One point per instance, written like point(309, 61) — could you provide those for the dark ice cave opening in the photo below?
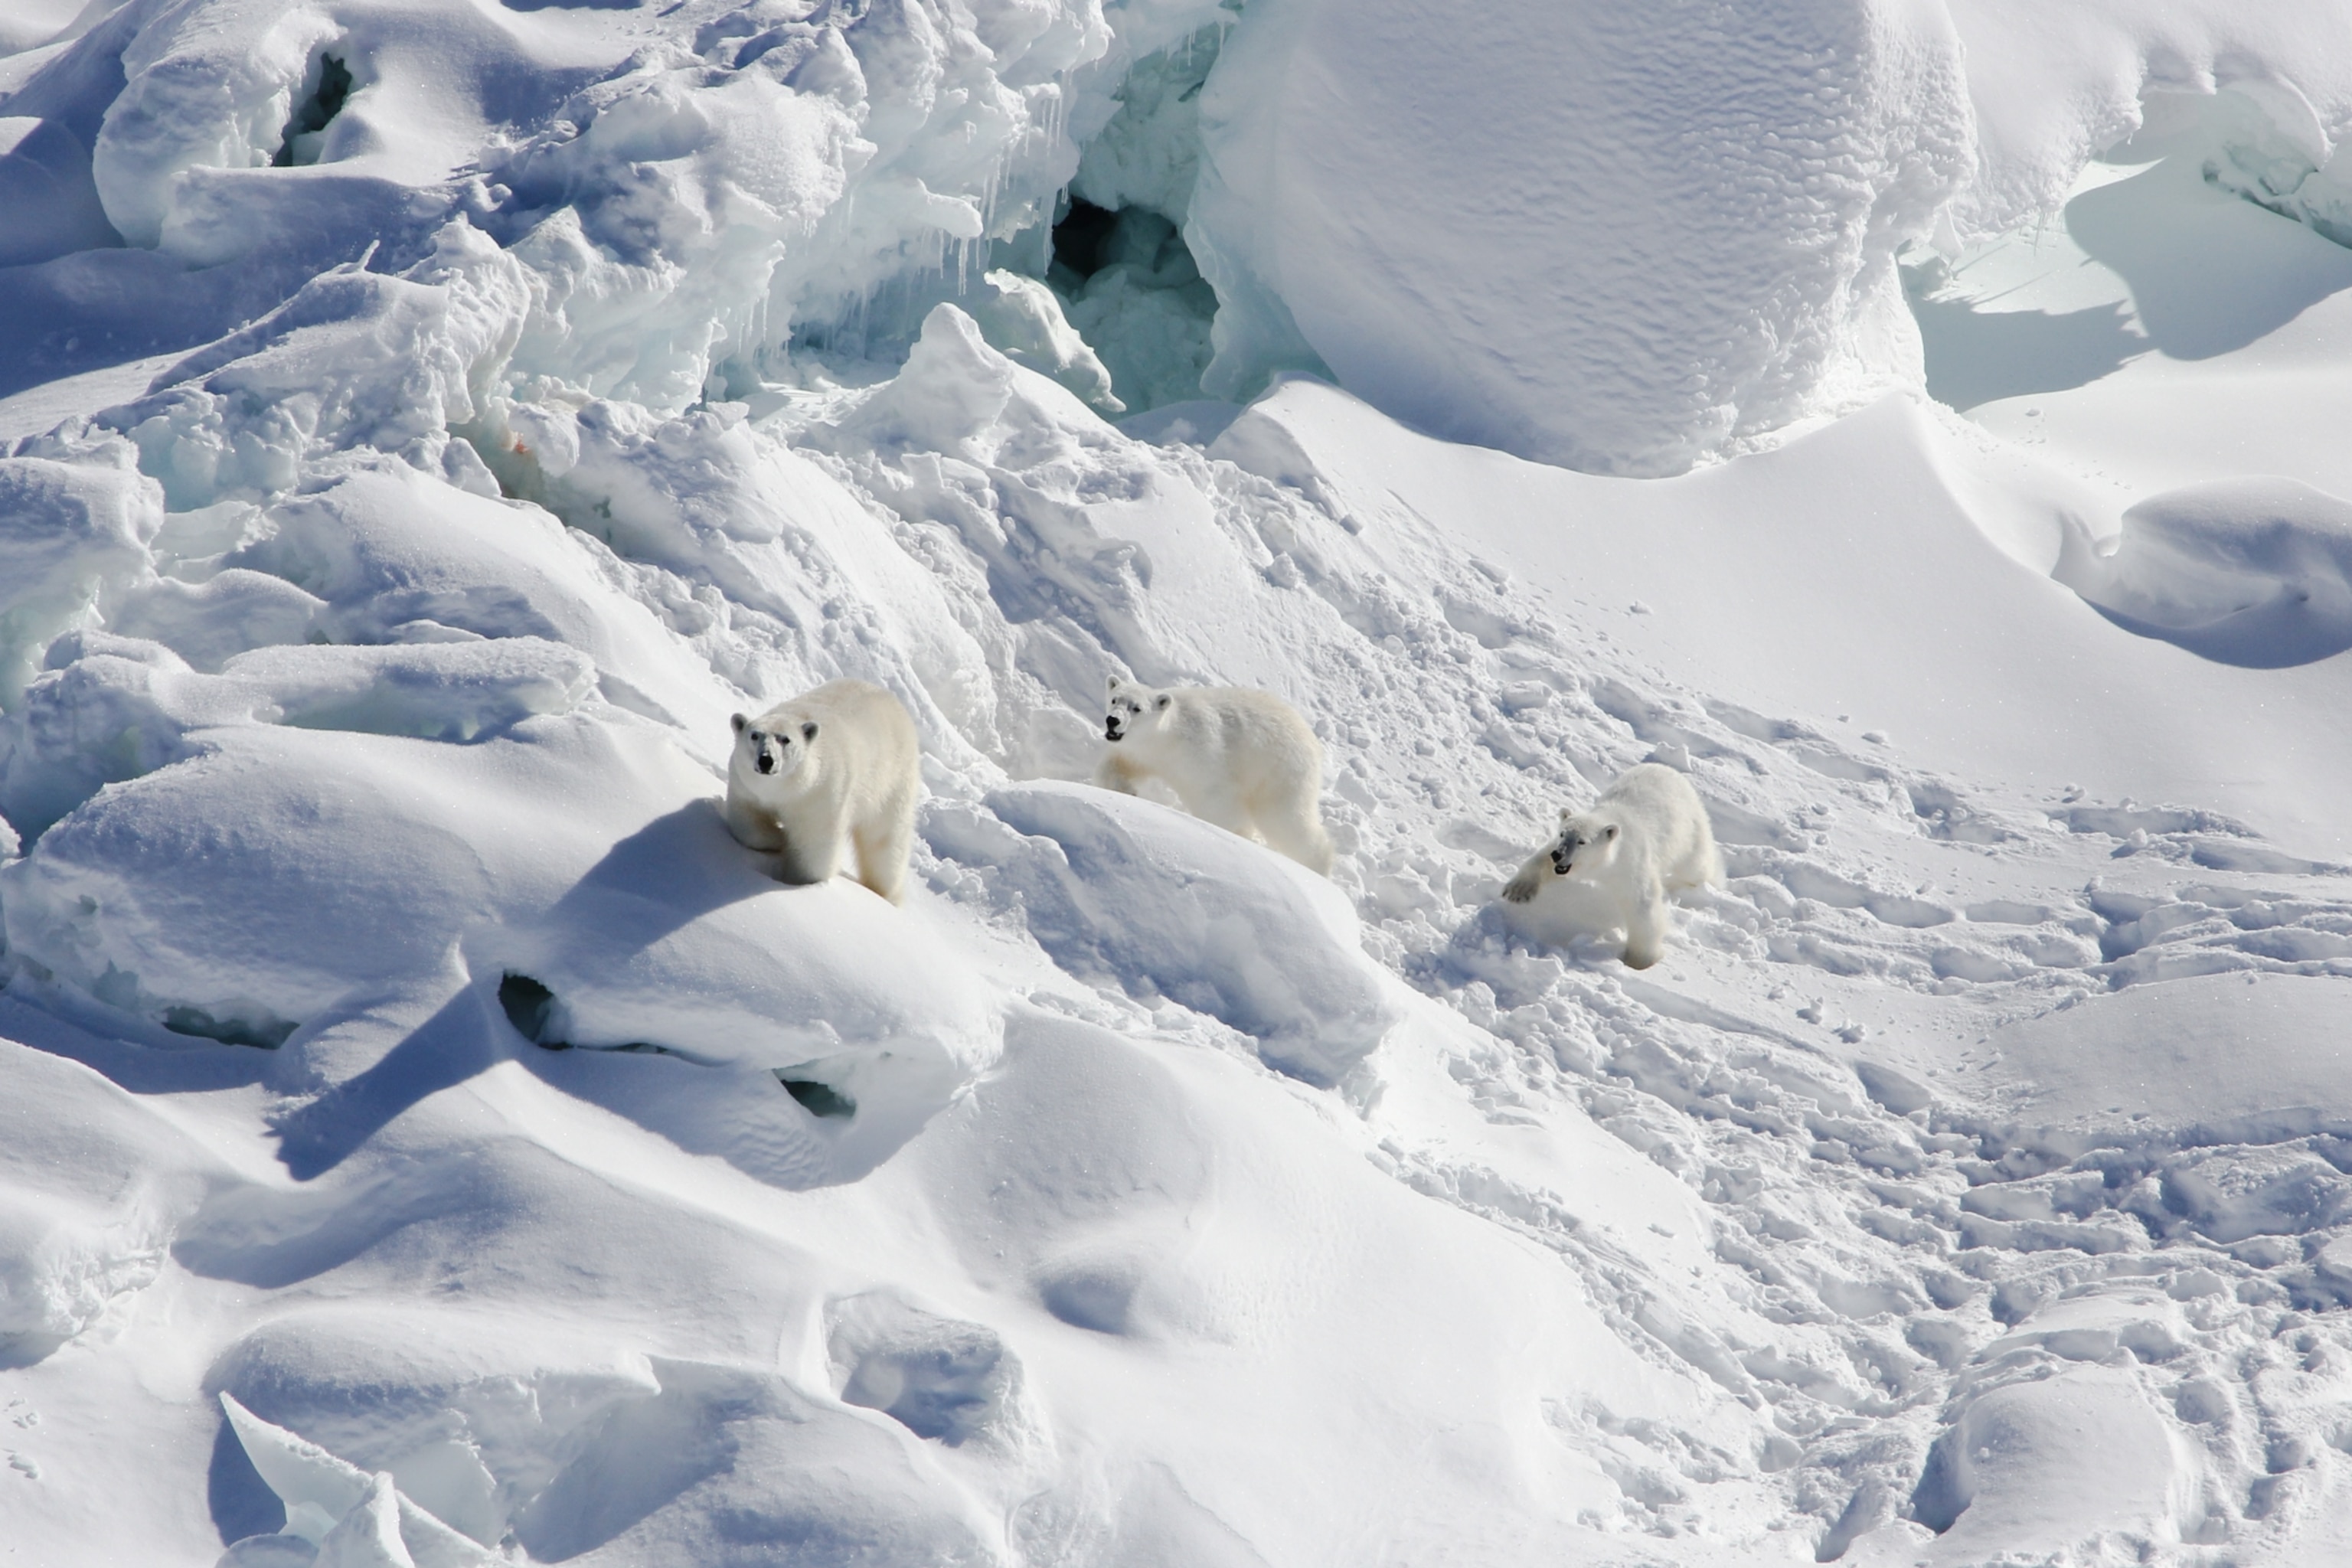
point(300, 144)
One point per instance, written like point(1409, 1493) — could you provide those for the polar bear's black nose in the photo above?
point(1110, 728)
point(765, 762)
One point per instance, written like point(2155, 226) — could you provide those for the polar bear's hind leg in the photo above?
point(882, 857)
point(1293, 828)
point(1219, 803)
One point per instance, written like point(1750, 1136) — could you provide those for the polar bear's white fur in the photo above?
point(1242, 758)
point(837, 764)
point(1647, 834)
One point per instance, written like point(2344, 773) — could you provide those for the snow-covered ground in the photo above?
point(426, 1137)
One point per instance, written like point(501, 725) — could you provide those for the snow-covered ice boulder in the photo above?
point(737, 1464)
point(119, 707)
point(249, 887)
point(396, 557)
point(354, 1519)
point(61, 1264)
point(1612, 237)
point(72, 537)
point(679, 938)
point(246, 889)
point(471, 1418)
point(1133, 892)
point(2254, 572)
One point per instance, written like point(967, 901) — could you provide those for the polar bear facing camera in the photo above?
point(1645, 836)
point(1242, 758)
point(836, 765)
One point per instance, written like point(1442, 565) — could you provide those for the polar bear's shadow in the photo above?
point(676, 868)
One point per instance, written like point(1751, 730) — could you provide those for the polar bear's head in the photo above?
point(1586, 846)
point(1134, 710)
point(771, 747)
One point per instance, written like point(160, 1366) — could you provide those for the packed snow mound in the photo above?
point(2020, 1460)
point(2248, 572)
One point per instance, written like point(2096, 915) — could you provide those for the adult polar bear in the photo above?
point(837, 764)
point(1239, 758)
point(1646, 834)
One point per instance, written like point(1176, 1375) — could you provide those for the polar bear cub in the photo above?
point(1648, 833)
point(838, 763)
point(1239, 758)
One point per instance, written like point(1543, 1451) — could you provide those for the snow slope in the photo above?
point(426, 1137)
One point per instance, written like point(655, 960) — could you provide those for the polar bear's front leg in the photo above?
point(1645, 932)
point(754, 828)
point(810, 856)
point(1115, 772)
point(1523, 888)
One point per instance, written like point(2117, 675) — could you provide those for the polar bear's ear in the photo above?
point(1609, 833)
point(1115, 683)
point(808, 730)
point(1164, 700)
point(739, 721)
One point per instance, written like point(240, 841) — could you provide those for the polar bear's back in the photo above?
point(859, 706)
point(1658, 806)
point(1256, 729)
point(863, 727)
point(1243, 715)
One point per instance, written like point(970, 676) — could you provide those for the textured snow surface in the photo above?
point(427, 1139)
